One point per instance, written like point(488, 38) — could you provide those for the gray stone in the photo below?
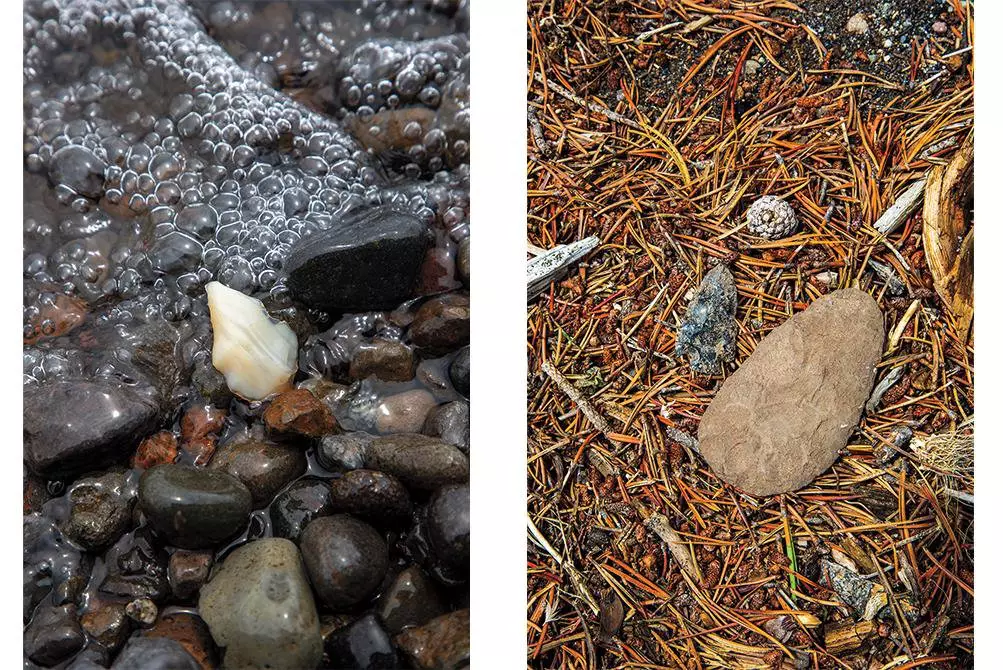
point(448, 519)
point(137, 567)
point(419, 461)
point(53, 634)
point(781, 420)
point(411, 600)
point(154, 653)
point(74, 426)
point(345, 451)
point(459, 372)
point(345, 558)
point(363, 644)
point(298, 505)
point(260, 608)
point(707, 335)
point(193, 508)
point(450, 423)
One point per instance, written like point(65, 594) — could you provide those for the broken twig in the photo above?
point(554, 264)
point(594, 417)
point(905, 205)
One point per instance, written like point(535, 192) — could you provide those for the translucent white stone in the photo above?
point(256, 354)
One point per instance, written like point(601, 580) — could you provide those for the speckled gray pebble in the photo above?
point(260, 608)
point(417, 460)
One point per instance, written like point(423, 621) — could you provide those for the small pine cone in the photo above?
point(771, 218)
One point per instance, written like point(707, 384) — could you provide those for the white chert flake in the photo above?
point(256, 354)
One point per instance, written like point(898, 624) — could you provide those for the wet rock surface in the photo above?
point(100, 510)
point(707, 335)
point(443, 642)
point(783, 417)
point(191, 632)
point(169, 145)
point(344, 452)
point(259, 608)
point(299, 412)
point(404, 412)
point(193, 508)
point(298, 505)
point(187, 571)
point(369, 260)
point(459, 372)
point(263, 467)
point(449, 525)
point(450, 423)
point(107, 623)
point(442, 323)
point(384, 359)
point(410, 601)
point(136, 567)
point(363, 644)
point(70, 427)
point(417, 460)
point(373, 495)
point(53, 634)
point(345, 558)
point(154, 653)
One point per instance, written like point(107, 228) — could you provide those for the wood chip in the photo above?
point(949, 237)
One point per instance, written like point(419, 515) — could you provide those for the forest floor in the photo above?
point(653, 125)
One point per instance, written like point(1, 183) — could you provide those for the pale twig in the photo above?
point(678, 547)
point(903, 207)
point(595, 107)
point(569, 389)
point(554, 264)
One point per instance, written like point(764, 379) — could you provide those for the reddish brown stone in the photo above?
point(300, 412)
point(444, 642)
point(200, 421)
point(107, 623)
point(384, 359)
point(187, 571)
point(436, 274)
point(442, 323)
point(34, 493)
point(57, 318)
point(159, 448)
point(191, 632)
point(200, 450)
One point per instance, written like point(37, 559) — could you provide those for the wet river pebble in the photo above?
point(345, 558)
point(259, 607)
point(262, 466)
point(191, 507)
